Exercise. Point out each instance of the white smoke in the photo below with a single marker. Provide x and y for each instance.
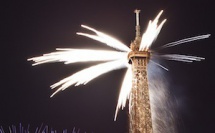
(162, 102)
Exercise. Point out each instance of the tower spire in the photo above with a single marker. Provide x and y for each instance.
(137, 12)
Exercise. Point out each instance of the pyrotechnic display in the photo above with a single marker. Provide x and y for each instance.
(135, 89)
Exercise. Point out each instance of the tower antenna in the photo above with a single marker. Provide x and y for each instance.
(137, 12)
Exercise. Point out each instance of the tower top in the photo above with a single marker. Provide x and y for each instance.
(137, 12)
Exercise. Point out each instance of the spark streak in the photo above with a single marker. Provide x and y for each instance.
(185, 40)
(151, 33)
(88, 74)
(159, 65)
(78, 55)
(183, 58)
(124, 91)
(104, 38)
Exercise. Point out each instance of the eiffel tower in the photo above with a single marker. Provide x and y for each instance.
(140, 120)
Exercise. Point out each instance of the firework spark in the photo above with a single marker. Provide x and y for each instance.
(185, 40)
(114, 59)
(88, 74)
(104, 38)
(125, 91)
(151, 33)
(78, 55)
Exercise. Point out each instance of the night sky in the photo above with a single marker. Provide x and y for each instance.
(33, 27)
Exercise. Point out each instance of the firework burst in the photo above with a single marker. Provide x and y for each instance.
(113, 59)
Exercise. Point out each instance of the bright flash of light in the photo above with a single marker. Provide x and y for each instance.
(116, 60)
(125, 91)
(151, 33)
(104, 38)
(78, 55)
(88, 74)
(113, 59)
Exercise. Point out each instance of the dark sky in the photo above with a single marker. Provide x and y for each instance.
(33, 27)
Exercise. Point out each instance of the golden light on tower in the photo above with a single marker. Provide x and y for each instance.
(140, 120)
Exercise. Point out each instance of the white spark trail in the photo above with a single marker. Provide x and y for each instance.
(104, 38)
(88, 74)
(151, 33)
(159, 65)
(182, 58)
(185, 41)
(124, 91)
(78, 55)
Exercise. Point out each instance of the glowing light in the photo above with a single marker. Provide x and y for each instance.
(104, 38)
(125, 91)
(88, 74)
(78, 55)
(114, 59)
(151, 33)
(182, 58)
(185, 40)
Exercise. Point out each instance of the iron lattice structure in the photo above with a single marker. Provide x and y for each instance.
(140, 120)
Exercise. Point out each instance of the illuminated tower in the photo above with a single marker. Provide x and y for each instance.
(140, 112)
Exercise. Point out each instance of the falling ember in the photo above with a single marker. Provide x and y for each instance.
(135, 86)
